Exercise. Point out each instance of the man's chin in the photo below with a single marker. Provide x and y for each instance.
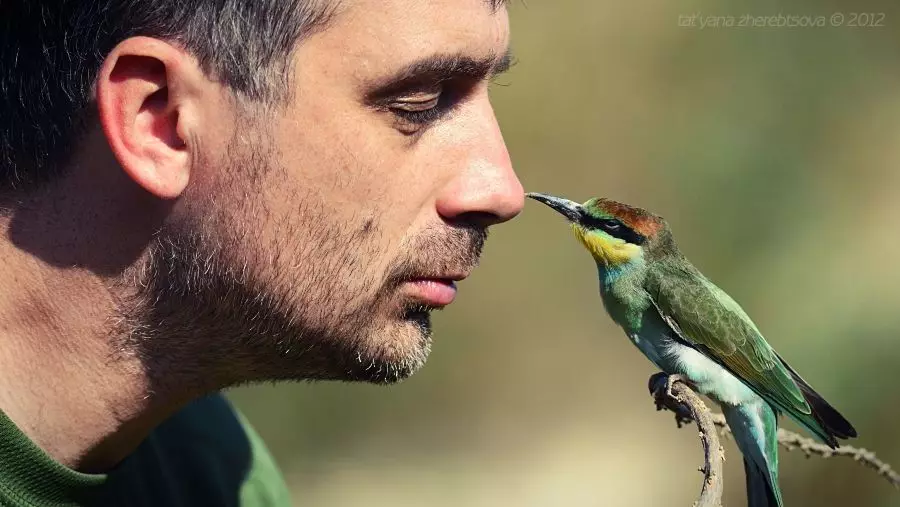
(397, 351)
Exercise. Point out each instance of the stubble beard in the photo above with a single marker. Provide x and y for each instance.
(214, 304)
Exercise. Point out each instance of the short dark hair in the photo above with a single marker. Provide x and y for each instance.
(52, 50)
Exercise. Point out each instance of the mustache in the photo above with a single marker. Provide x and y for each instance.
(439, 252)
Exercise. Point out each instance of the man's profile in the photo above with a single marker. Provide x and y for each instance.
(196, 194)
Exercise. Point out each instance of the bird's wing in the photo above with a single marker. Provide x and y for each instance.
(710, 321)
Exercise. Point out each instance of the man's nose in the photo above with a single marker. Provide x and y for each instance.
(487, 190)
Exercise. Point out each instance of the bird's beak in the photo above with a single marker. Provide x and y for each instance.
(569, 209)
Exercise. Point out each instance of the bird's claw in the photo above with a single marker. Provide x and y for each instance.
(660, 386)
(670, 382)
(656, 382)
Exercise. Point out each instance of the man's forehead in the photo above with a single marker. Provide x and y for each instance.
(391, 33)
(493, 6)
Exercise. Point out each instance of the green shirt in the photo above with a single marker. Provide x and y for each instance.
(207, 454)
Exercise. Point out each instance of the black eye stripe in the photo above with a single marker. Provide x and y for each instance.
(614, 228)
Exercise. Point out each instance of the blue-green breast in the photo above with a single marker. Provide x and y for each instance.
(623, 294)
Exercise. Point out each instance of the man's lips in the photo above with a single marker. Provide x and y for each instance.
(435, 292)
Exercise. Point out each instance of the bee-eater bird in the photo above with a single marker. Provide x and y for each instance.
(688, 326)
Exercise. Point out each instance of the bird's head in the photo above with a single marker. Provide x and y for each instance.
(614, 233)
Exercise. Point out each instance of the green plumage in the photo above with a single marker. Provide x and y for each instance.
(685, 324)
(711, 321)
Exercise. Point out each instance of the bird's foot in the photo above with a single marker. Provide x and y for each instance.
(660, 385)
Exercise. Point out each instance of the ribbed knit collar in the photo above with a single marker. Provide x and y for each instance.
(28, 476)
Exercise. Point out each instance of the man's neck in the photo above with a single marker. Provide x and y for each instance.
(64, 382)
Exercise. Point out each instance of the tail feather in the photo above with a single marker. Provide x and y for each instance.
(760, 491)
(833, 425)
(755, 430)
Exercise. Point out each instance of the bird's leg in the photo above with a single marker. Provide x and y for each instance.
(660, 385)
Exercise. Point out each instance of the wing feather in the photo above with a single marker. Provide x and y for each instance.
(709, 320)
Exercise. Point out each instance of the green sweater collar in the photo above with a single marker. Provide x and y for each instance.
(28, 476)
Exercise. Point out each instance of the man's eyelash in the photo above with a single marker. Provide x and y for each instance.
(448, 98)
(424, 116)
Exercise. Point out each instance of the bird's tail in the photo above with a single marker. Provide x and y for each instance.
(762, 491)
(824, 421)
(755, 429)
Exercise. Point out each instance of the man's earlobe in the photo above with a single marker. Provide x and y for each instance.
(144, 99)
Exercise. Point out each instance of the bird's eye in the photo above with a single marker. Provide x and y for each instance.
(615, 228)
(611, 225)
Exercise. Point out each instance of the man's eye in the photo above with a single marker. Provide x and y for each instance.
(421, 109)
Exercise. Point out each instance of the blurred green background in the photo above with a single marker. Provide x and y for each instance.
(774, 153)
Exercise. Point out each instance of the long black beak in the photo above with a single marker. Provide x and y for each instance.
(569, 209)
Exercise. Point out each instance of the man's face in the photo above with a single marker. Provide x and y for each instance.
(313, 240)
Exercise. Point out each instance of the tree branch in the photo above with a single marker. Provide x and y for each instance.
(672, 393)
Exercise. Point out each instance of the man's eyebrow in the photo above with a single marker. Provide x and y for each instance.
(442, 67)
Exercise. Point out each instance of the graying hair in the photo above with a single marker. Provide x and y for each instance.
(51, 52)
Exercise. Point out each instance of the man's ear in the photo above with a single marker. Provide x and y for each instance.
(146, 92)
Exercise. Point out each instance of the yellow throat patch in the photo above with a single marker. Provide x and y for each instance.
(610, 251)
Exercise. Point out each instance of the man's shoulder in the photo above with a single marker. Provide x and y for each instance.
(212, 436)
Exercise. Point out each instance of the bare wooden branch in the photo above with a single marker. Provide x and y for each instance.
(671, 392)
